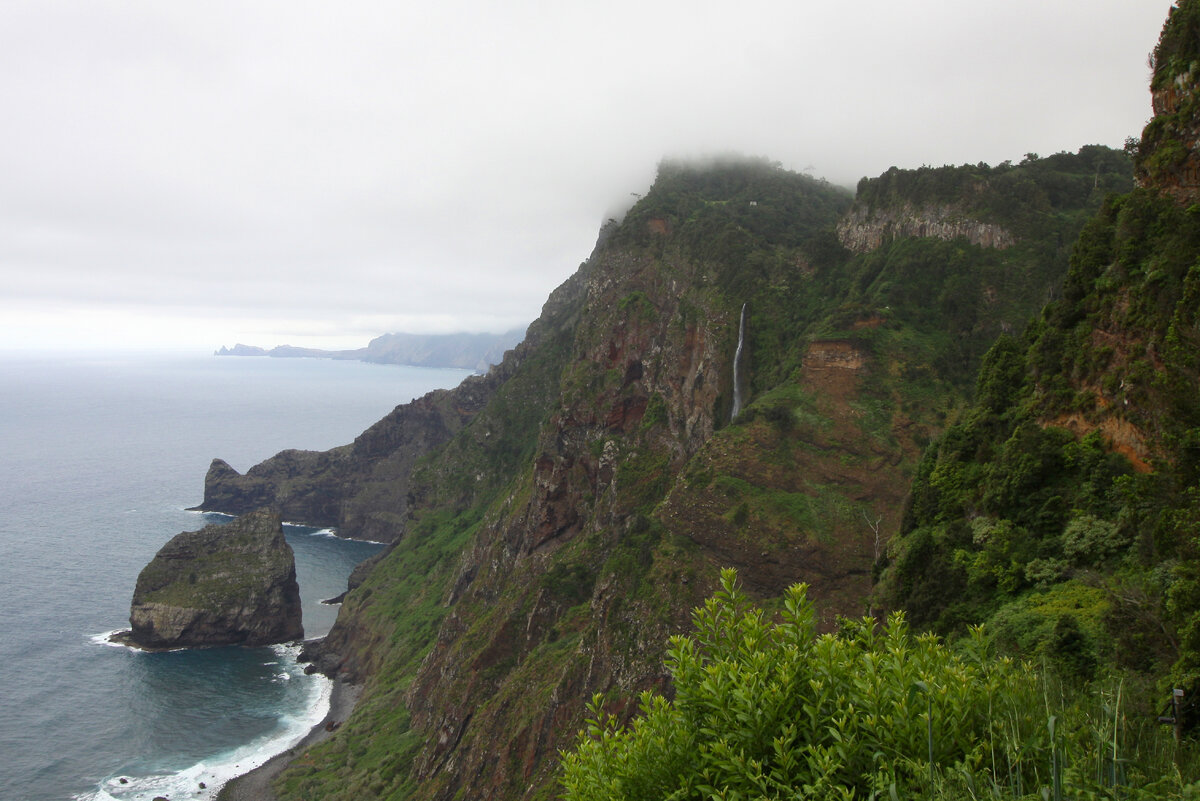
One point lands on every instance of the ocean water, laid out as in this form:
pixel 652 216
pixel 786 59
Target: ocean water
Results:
pixel 100 455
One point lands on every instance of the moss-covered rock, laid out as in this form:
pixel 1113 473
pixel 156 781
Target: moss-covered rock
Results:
pixel 231 584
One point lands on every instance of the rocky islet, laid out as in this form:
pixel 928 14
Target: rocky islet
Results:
pixel 226 584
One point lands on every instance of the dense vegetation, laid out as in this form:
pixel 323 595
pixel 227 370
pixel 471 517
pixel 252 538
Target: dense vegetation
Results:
pixel 1061 510
pixel 766 236
pixel 1023 514
pixel 1063 507
pixel 1022 197
pixel 1165 155
pixel 771 710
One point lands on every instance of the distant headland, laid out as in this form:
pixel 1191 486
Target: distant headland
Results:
pixel 475 352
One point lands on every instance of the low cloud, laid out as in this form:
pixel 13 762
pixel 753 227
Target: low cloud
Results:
pixel 308 166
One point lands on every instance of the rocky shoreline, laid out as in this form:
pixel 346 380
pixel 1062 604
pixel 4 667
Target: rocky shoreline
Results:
pixel 256 785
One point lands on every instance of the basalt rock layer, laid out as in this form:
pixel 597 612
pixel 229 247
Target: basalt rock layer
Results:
pixel 865 229
pixel 231 584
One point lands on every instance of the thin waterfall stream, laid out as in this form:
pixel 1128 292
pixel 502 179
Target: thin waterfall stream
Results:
pixel 737 367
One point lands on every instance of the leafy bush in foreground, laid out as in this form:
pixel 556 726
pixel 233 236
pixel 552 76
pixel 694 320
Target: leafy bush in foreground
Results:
pixel 772 710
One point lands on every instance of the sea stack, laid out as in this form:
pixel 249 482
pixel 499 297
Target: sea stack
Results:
pixel 231 584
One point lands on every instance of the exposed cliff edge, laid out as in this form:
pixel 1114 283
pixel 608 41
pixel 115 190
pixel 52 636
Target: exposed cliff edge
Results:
pixel 231 584
pixel 363 488
pixel 1167 158
pixel 864 229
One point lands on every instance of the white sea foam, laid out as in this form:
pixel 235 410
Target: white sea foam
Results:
pixel 221 768
pixel 331 533
pixel 105 638
pixel 204 512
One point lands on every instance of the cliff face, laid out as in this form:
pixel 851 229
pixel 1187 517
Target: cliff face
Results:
pixel 231 584
pixel 324 488
pixel 1074 474
pixel 1167 158
pixel 363 488
pixel 568 527
pixel 636 397
pixel 865 229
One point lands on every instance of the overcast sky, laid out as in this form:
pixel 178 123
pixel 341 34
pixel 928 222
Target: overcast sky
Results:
pixel 203 173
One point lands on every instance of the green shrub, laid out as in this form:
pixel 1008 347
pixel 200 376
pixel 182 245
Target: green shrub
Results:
pixel 1089 540
pixel 772 710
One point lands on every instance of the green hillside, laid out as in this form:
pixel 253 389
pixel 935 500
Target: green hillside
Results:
pixel 596 483
pixel 964 395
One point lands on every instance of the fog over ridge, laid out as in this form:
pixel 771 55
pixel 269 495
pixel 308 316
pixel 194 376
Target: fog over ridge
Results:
pixel 194 174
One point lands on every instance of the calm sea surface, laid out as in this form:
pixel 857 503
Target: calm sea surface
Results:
pixel 99 457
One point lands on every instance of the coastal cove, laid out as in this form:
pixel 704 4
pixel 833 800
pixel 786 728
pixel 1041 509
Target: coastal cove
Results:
pixel 104 453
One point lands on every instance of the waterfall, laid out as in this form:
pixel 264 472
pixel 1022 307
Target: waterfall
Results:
pixel 737 367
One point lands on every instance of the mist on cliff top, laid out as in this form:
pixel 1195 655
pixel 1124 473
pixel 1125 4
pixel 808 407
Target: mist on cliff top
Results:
pixel 197 174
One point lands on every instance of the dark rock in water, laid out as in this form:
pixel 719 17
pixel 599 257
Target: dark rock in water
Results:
pixel 317 658
pixel 231 584
pixel 335 600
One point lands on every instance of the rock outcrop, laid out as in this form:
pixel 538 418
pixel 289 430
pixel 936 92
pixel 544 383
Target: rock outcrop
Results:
pixel 231 584
pixel 1168 155
pixel 864 229
pixel 363 488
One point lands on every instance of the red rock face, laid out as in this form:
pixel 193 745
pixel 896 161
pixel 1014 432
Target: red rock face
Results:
pixel 633 347
pixel 1169 158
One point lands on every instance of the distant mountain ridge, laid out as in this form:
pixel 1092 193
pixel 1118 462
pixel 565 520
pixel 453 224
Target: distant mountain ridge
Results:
pixel 466 351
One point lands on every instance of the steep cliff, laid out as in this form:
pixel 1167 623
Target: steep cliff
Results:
pixel 1062 508
pixel 232 584
pixel 1041 201
pixel 363 488
pixel 550 544
pixel 865 229
pixel 1167 158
